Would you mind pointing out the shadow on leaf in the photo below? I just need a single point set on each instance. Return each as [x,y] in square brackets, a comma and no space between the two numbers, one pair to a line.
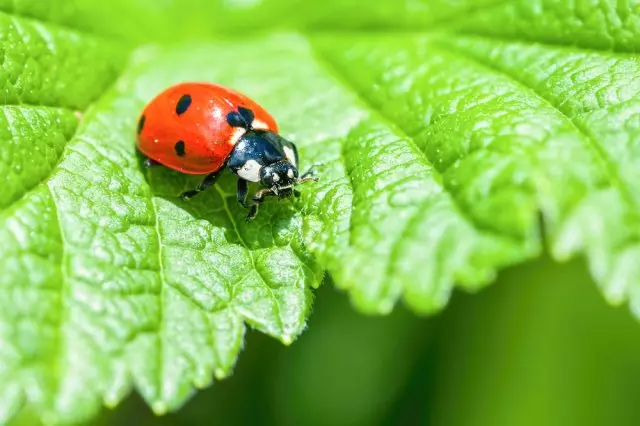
[274,225]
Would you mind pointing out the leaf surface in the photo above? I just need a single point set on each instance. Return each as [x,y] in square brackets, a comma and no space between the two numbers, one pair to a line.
[512,130]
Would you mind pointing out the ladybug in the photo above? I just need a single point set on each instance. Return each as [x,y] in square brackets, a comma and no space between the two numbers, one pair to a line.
[204,128]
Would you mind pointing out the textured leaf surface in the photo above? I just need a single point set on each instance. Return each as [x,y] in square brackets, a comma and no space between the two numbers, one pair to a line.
[510,130]
[441,154]
[599,24]
[119,283]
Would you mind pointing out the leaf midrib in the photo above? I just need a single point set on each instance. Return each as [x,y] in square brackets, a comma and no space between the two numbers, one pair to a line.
[158,406]
[65,293]
[243,243]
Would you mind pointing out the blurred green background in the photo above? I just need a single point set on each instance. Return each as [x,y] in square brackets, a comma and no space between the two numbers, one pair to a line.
[540,347]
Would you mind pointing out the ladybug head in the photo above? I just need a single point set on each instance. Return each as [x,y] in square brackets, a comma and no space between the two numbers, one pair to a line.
[281,174]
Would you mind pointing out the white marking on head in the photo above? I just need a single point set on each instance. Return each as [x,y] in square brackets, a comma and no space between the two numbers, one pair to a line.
[276,178]
[290,173]
[250,171]
[291,155]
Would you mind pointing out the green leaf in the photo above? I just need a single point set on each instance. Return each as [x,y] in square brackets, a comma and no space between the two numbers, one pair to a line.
[120,283]
[600,24]
[511,130]
[447,157]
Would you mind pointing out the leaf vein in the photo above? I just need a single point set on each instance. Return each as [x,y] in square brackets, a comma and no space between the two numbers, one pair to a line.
[65,293]
[164,283]
[272,296]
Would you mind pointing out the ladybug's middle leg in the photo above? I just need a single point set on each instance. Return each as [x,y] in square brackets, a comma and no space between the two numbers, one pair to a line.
[257,200]
[208,181]
[242,193]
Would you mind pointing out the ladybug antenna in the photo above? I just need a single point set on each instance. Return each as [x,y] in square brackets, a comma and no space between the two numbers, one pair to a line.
[243,117]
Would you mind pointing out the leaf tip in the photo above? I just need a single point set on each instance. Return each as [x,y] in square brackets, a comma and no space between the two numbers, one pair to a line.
[159,408]
[287,339]
[203,382]
[219,373]
[370,306]
[111,401]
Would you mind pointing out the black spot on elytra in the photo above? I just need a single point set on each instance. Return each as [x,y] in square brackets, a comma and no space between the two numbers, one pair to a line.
[183,104]
[141,123]
[241,118]
[179,147]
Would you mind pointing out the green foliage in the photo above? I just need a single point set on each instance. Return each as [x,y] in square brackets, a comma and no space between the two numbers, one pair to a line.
[511,130]
[441,150]
[120,283]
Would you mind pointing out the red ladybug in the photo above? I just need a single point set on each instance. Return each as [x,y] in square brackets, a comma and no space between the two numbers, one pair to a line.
[201,128]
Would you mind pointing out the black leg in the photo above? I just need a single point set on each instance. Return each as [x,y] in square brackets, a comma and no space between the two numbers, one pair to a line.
[209,180]
[257,200]
[253,212]
[296,193]
[242,193]
[150,163]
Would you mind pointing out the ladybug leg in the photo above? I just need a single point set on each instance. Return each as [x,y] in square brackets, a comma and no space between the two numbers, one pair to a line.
[310,174]
[242,193]
[296,193]
[252,213]
[257,200]
[306,178]
[208,181]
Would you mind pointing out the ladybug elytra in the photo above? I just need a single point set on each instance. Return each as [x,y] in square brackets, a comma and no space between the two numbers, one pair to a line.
[203,128]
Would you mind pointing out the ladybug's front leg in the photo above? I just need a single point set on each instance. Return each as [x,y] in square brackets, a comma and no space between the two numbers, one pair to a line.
[310,174]
[208,181]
